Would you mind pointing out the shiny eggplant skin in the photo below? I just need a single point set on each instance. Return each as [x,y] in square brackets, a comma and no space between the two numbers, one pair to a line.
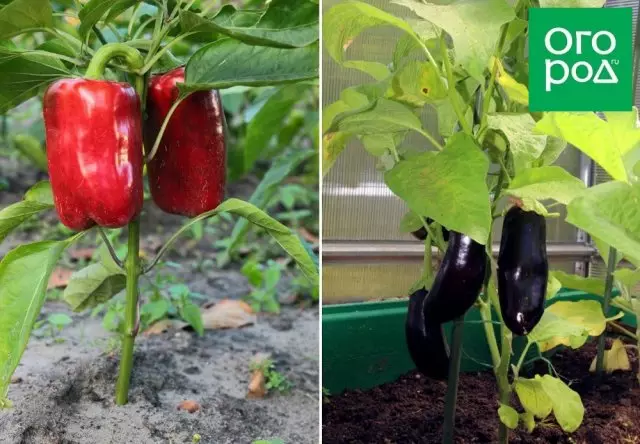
[523,270]
[421,233]
[459,280]
[425,340]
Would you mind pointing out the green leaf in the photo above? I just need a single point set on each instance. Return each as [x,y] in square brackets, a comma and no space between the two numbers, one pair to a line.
[93,285]
[508,416]
[191,314]
[94,10]
[286,238]
[59,319]
[569,323]
[528,420]
[553,286]
[573,281]
[610,212]
[606,142]
[14,215]
[345,21]
[333,144]
[384,116]
[533,397]
[22,15]
[474,27]
[418,83]
[551,182]
[24,274]
[285,24]
[378,144]
[567,405]
[525,146]
[227,62]
[454,180]
[552,151]
[40,192]
[410,222]
[281,168]
[267,122]
[22,75]
[154,311]
[31,148]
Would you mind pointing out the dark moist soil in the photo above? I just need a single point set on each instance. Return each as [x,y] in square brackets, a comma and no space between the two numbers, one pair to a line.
[410,409]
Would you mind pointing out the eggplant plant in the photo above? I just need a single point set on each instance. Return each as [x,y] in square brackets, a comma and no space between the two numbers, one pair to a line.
[467,64]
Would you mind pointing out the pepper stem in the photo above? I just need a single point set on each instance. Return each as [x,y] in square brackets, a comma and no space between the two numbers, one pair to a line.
[133,59]
[132,267]
[452,382]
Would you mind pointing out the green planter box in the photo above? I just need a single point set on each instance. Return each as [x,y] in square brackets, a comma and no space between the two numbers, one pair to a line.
[363,344]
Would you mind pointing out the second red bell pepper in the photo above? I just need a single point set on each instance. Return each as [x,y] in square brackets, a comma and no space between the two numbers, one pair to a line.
[187,174]
[94,152]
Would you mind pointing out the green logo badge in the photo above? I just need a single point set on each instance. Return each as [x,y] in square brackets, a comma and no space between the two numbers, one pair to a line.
[580,59]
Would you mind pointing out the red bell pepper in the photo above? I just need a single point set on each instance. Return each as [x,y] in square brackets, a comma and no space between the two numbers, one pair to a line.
[94,152]
[187,175]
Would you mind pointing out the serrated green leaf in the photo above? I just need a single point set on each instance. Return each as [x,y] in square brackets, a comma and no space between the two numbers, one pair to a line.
[533,397]
[551,182]
[508,416]
[610,212]
[473,26]
[606,142]
[22,15]
[567,405]
[454,180]
[227,62]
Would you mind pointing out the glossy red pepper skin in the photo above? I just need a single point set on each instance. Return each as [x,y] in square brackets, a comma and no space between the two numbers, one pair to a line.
[94,152]
[188,172]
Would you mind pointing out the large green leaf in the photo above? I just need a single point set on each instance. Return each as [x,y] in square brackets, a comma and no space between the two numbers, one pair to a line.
[418,83]
[525,146]
[286,24]
[448,186]
[533,397]
[551,182]
[24,275]
[382,116]
[573,281]
[94,10]
[22,75]
[280,169]
[94,285]
[37,199]
[567,405]
[552,151]
[345,21]
[23,15]
[474,27]
[227,62]
[610,212]
[267,122]
[606,142]
[286,238]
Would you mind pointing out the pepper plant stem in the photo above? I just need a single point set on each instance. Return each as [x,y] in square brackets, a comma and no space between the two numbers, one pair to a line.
[452,382]
[132,268]
[608,285]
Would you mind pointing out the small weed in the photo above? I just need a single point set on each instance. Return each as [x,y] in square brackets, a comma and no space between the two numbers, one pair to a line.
[52,325]
[274,380]
[196,438]
[263,280]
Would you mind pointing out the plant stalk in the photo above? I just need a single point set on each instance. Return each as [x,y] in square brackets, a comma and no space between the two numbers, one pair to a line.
[452,382]
[608,285]
[132,268]
[503,381]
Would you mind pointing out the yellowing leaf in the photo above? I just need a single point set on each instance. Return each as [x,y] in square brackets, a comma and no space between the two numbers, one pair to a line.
[616,358]
[567,405]
[508,416]
[228,314]
[533,397]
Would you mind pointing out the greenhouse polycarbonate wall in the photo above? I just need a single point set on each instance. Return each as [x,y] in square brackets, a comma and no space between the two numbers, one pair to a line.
[358,208]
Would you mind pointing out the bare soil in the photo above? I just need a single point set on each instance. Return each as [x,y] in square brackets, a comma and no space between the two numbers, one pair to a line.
[409,410]
[63,390]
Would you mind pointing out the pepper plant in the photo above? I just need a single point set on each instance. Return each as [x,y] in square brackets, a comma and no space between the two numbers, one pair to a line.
[114,73]
[489,156]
